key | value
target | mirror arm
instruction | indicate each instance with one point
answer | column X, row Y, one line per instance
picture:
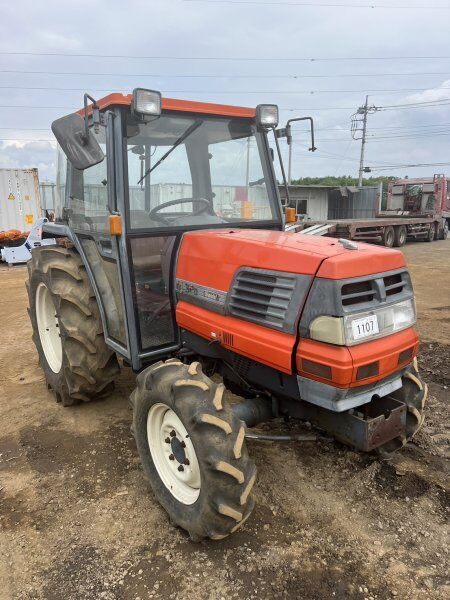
column 289, row 131
column 288, row 199
column 95, row 117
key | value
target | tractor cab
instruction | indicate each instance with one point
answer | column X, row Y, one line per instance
column 138, row 173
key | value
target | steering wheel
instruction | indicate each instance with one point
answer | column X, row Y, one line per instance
column 206, row 207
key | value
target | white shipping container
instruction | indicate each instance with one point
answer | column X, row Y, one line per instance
column 20, row 201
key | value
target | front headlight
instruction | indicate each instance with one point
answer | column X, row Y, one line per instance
column 328, row 329
column 267, row 115
column 364, row 326
column 146, row 102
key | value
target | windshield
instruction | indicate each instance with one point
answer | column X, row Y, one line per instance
column 191, row 170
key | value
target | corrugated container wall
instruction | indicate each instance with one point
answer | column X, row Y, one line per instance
column 361, row 204
column 20, row 202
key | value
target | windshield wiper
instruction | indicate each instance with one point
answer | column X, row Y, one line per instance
column 179, row 141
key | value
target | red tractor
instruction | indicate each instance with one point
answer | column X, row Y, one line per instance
column 172, row 259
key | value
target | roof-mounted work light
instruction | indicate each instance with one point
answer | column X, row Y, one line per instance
column 267, row 115
column 146, row 103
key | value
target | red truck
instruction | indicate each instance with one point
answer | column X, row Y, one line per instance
column 416, row 209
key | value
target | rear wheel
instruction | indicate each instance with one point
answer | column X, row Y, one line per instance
column 431, row 234
column 443, row 231
column 387, row 238
column 400, row 236
column 67, row 328
column 192, row 449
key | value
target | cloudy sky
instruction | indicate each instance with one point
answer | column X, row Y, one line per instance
column 317, row 58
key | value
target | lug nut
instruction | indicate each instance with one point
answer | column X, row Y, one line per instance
column 186, row 461
column 172, row 433
column 171, row 457
column 181, row 468
column 183, row 444
column 167, row 440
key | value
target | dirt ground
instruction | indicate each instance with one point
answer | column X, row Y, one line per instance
column 78, row 520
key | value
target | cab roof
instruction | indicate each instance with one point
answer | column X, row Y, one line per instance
column 189, row 106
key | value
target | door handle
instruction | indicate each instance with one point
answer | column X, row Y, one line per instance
column 105, row 248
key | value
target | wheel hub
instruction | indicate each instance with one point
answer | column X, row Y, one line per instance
column 48, row 327
column 173, row 453
column 178, row 450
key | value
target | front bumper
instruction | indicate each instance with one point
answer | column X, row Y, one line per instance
column 341, row 399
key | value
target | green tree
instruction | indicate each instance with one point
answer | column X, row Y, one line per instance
column 342, row 180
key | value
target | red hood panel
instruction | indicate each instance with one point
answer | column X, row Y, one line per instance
column 211, row 258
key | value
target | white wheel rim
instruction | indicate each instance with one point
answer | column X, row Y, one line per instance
column 166, row 436
column 48, row 328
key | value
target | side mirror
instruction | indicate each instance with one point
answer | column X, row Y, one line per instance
column 80, row 147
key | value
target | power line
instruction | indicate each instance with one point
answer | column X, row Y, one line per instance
column 25, row 140
column 382, row 138
column 224, row 58
column 390, row 128
column 215, row 76
column 412, row 166
column 315, row 5
column 227, row 91
column 430, row 104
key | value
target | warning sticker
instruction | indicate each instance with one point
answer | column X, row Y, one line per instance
column 27, row 197
column 11, row 197
column 29, row 219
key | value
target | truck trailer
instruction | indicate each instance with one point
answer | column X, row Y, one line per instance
column 416, row 209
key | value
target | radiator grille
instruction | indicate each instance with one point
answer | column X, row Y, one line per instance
column 393, row 284
column 262, row 298
column 358, row 292
column 374, row 290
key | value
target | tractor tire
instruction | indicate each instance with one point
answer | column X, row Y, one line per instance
column 400, row 234
column 387, row 237
column 192, row 449
column 413, row 393
column 67, row 328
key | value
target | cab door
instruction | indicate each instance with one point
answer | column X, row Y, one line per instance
column 91, row 195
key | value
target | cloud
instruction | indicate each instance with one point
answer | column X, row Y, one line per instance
column 441, row 92
column 278, row 35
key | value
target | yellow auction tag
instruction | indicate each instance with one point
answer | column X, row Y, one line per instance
column 29, row 219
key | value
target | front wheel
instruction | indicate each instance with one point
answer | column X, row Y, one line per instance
column 192, row 449
column 413, row 394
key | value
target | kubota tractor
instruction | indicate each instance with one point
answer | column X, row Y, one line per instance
column 171, row 258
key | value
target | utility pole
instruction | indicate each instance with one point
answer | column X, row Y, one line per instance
column 364, row 111
column 363, row 142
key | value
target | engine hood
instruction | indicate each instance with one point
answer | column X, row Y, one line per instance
column 211, row 258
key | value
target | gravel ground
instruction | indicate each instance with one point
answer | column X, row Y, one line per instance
column 78, row 520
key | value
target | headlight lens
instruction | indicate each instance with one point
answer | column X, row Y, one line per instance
column 328, row 329
column 378, row 323
column 364, row 326
column 146, row 102
column 267, row 115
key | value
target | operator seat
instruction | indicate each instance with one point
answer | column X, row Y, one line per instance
column 146, row 251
